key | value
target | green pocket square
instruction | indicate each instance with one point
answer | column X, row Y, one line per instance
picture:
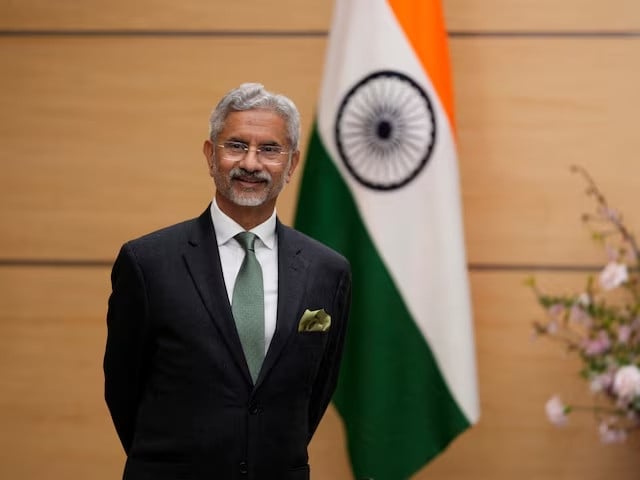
column 314, row 321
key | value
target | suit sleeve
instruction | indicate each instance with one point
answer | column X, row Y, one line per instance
column 327, row 377
column 127, row 331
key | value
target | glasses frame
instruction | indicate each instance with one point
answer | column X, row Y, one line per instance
column 258, row 150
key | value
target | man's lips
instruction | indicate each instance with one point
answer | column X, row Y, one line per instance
column 248, row 181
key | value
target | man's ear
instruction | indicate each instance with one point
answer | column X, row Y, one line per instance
column 295, row 159
column 209, row 152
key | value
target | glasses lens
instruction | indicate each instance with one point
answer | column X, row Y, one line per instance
column 271, row 153
column 234, row 150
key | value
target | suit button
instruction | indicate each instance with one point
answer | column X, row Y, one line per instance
column 243, row 468
column 254, row 409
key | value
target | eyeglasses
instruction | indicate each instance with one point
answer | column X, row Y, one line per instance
column 236, row 151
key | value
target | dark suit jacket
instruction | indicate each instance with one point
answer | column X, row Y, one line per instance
column 176, row 381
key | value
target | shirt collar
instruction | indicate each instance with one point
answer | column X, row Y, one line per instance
column 226, row 228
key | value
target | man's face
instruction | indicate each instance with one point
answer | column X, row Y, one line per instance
column 249, row 181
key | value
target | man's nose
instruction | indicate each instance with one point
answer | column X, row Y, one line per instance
column 250, row 161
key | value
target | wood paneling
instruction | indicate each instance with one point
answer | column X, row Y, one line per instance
column 55, row 424
column 527, row 109
column 466, row 15
column 102, row 138
column 541, row 15
column 166, row 14
column 52, row 331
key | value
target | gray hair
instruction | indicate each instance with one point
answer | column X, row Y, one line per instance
column 251, row 96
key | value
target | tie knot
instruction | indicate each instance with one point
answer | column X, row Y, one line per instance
column 246, row 239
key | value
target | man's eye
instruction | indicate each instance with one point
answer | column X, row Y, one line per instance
column 271, row 148
column 235, row 146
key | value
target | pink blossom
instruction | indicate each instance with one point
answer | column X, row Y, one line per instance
column 552, row 327
column 611, row 435
column 598, row 345
column 613, row 275
column 556, row 310
column 613, row 214
column 610, row 213
column 612, row 252
column 626, row 383
column 584, row 300
column 624, row 334
column 601, row 383
column 579, row 315
column 556, row 411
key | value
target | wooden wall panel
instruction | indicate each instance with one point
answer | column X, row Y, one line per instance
column 52, row 331
column 461, row 15
column 166, row 14
column 56, row 426
column 527, row 109
column 541, row 15
column 102, row 138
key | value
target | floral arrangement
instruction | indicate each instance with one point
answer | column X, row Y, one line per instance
column 601, row 325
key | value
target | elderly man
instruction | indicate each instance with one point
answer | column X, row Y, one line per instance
column 225, row 331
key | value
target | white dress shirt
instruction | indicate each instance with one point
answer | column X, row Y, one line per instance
column 232, row 255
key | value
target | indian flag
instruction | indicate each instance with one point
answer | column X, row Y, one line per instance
column 380, row 185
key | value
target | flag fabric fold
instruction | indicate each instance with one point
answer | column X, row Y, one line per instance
column 380, row 185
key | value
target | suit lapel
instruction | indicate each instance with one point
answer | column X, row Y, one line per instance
column 291, row 284
column 203, row 261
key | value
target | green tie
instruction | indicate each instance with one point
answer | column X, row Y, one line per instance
column 248, row 305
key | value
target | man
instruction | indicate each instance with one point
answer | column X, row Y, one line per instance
column 223, row 347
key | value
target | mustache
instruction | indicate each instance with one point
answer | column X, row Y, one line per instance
column 239, row 172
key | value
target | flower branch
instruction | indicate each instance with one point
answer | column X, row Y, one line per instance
column 601, row 325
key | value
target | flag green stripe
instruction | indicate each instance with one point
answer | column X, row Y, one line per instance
column 397, row 409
